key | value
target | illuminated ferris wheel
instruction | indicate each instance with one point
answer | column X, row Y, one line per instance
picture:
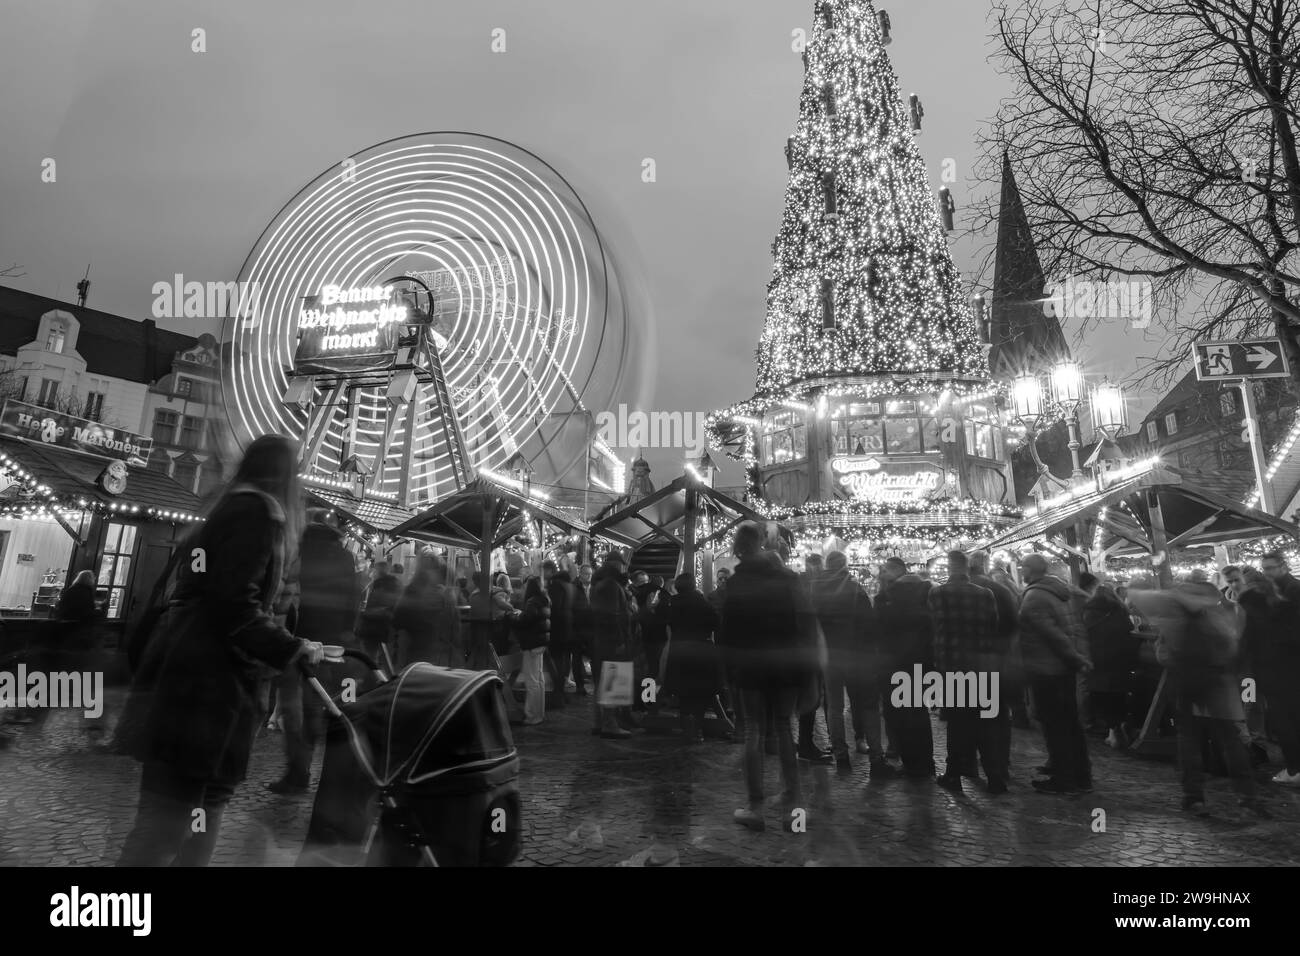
column 431, row 308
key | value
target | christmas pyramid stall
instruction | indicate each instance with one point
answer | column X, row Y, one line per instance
column 875, row 426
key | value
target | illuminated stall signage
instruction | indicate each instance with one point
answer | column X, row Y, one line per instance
column 349, row 330
column 43, row 426
column 867, row 479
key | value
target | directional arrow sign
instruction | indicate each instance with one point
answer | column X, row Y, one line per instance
column 1233, row 361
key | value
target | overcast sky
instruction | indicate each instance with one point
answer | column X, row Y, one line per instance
column 171, row 162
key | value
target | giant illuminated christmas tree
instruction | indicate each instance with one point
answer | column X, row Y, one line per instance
column 874, row 420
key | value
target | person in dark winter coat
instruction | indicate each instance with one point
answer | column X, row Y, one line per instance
column 328, row 596
column 1114, row 655
column 583, row 628
column 969, row 640
column 844, row 611
column 1198, row 645
column 490, row 614
column 1279, row 652
column 1050, row 635
column 612, row 612
column 532, row 629
column 193, row 709
column 427, row 618
column 903, row 616
column 559, row 589
column 693, row 672
column 375, row 623
column 768, row 629
column 1014, row 692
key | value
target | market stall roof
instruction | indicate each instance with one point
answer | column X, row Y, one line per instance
column 72, row 475
column 1193, row 516
column 661, row 514
column 374, row 513
column 484, row 512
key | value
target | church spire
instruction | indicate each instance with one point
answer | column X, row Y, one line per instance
column 1024, row 337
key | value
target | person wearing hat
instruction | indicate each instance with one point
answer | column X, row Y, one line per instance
column 611, row 613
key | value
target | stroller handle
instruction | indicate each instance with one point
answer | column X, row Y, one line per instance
column 309, row 670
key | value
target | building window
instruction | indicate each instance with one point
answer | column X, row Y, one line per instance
column 159, row 462
column 22, row 389
column 164, row 426
column 49, row 393
column 94, row 406
column 185, row 474
column 784, row 439
column 54, row 341
column 1227, row 402
column 1152, row 432
column 856, row 431
column 115, row 567
column 184, row 387
column 983, row 434
column 902, row 436
column 1171, row 423
column 191, row 432
column 828, row 195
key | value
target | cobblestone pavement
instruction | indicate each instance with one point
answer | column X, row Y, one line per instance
column 653, row 801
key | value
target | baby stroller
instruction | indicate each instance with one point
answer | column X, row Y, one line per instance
column 420, row 770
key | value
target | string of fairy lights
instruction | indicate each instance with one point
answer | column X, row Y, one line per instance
column 41, row 501
column 862, row 276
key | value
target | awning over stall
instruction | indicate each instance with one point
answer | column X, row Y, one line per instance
column 484, row 513
column 375, row 513
column 72, row 477
column 1119, row 517
column 663, row 515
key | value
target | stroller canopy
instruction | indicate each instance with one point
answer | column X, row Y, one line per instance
column 431, row 721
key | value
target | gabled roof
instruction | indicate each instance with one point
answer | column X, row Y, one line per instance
column 458, row 519
column 1192, row 516
column 112, row 345
column 71, row 474
column 661, row 515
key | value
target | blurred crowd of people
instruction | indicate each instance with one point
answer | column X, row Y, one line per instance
column 763, row 653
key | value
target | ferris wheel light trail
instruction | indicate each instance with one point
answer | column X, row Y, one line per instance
column 491, row 232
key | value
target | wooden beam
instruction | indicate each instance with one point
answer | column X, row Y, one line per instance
column 1159, row 544
column 721, row 531
column 688, row 544
column 1196, row 529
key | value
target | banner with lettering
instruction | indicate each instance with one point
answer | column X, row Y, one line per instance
column 42, row 426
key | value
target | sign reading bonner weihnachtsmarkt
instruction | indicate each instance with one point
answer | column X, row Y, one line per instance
column 41, row 426
column 349, row 330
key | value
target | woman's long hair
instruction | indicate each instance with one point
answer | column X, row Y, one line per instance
column 271, row 466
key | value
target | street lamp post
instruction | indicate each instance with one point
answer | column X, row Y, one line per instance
column 1067, row 392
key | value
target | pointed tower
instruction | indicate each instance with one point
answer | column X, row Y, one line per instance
column 862, row 283
column 874, row 424
column 1024, row 337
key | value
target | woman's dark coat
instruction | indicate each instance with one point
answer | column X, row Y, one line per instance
column 194, row 700
column 532, row 628
column 694, row 667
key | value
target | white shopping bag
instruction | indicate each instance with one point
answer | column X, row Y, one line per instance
column 615, row 688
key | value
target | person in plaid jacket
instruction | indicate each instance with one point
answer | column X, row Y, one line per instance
column 967, row 640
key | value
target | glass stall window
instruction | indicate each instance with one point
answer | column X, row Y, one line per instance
column 902, row 435
column 115, row 568
column 785, row 439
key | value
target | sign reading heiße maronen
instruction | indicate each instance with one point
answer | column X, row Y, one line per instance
column 41, row 426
